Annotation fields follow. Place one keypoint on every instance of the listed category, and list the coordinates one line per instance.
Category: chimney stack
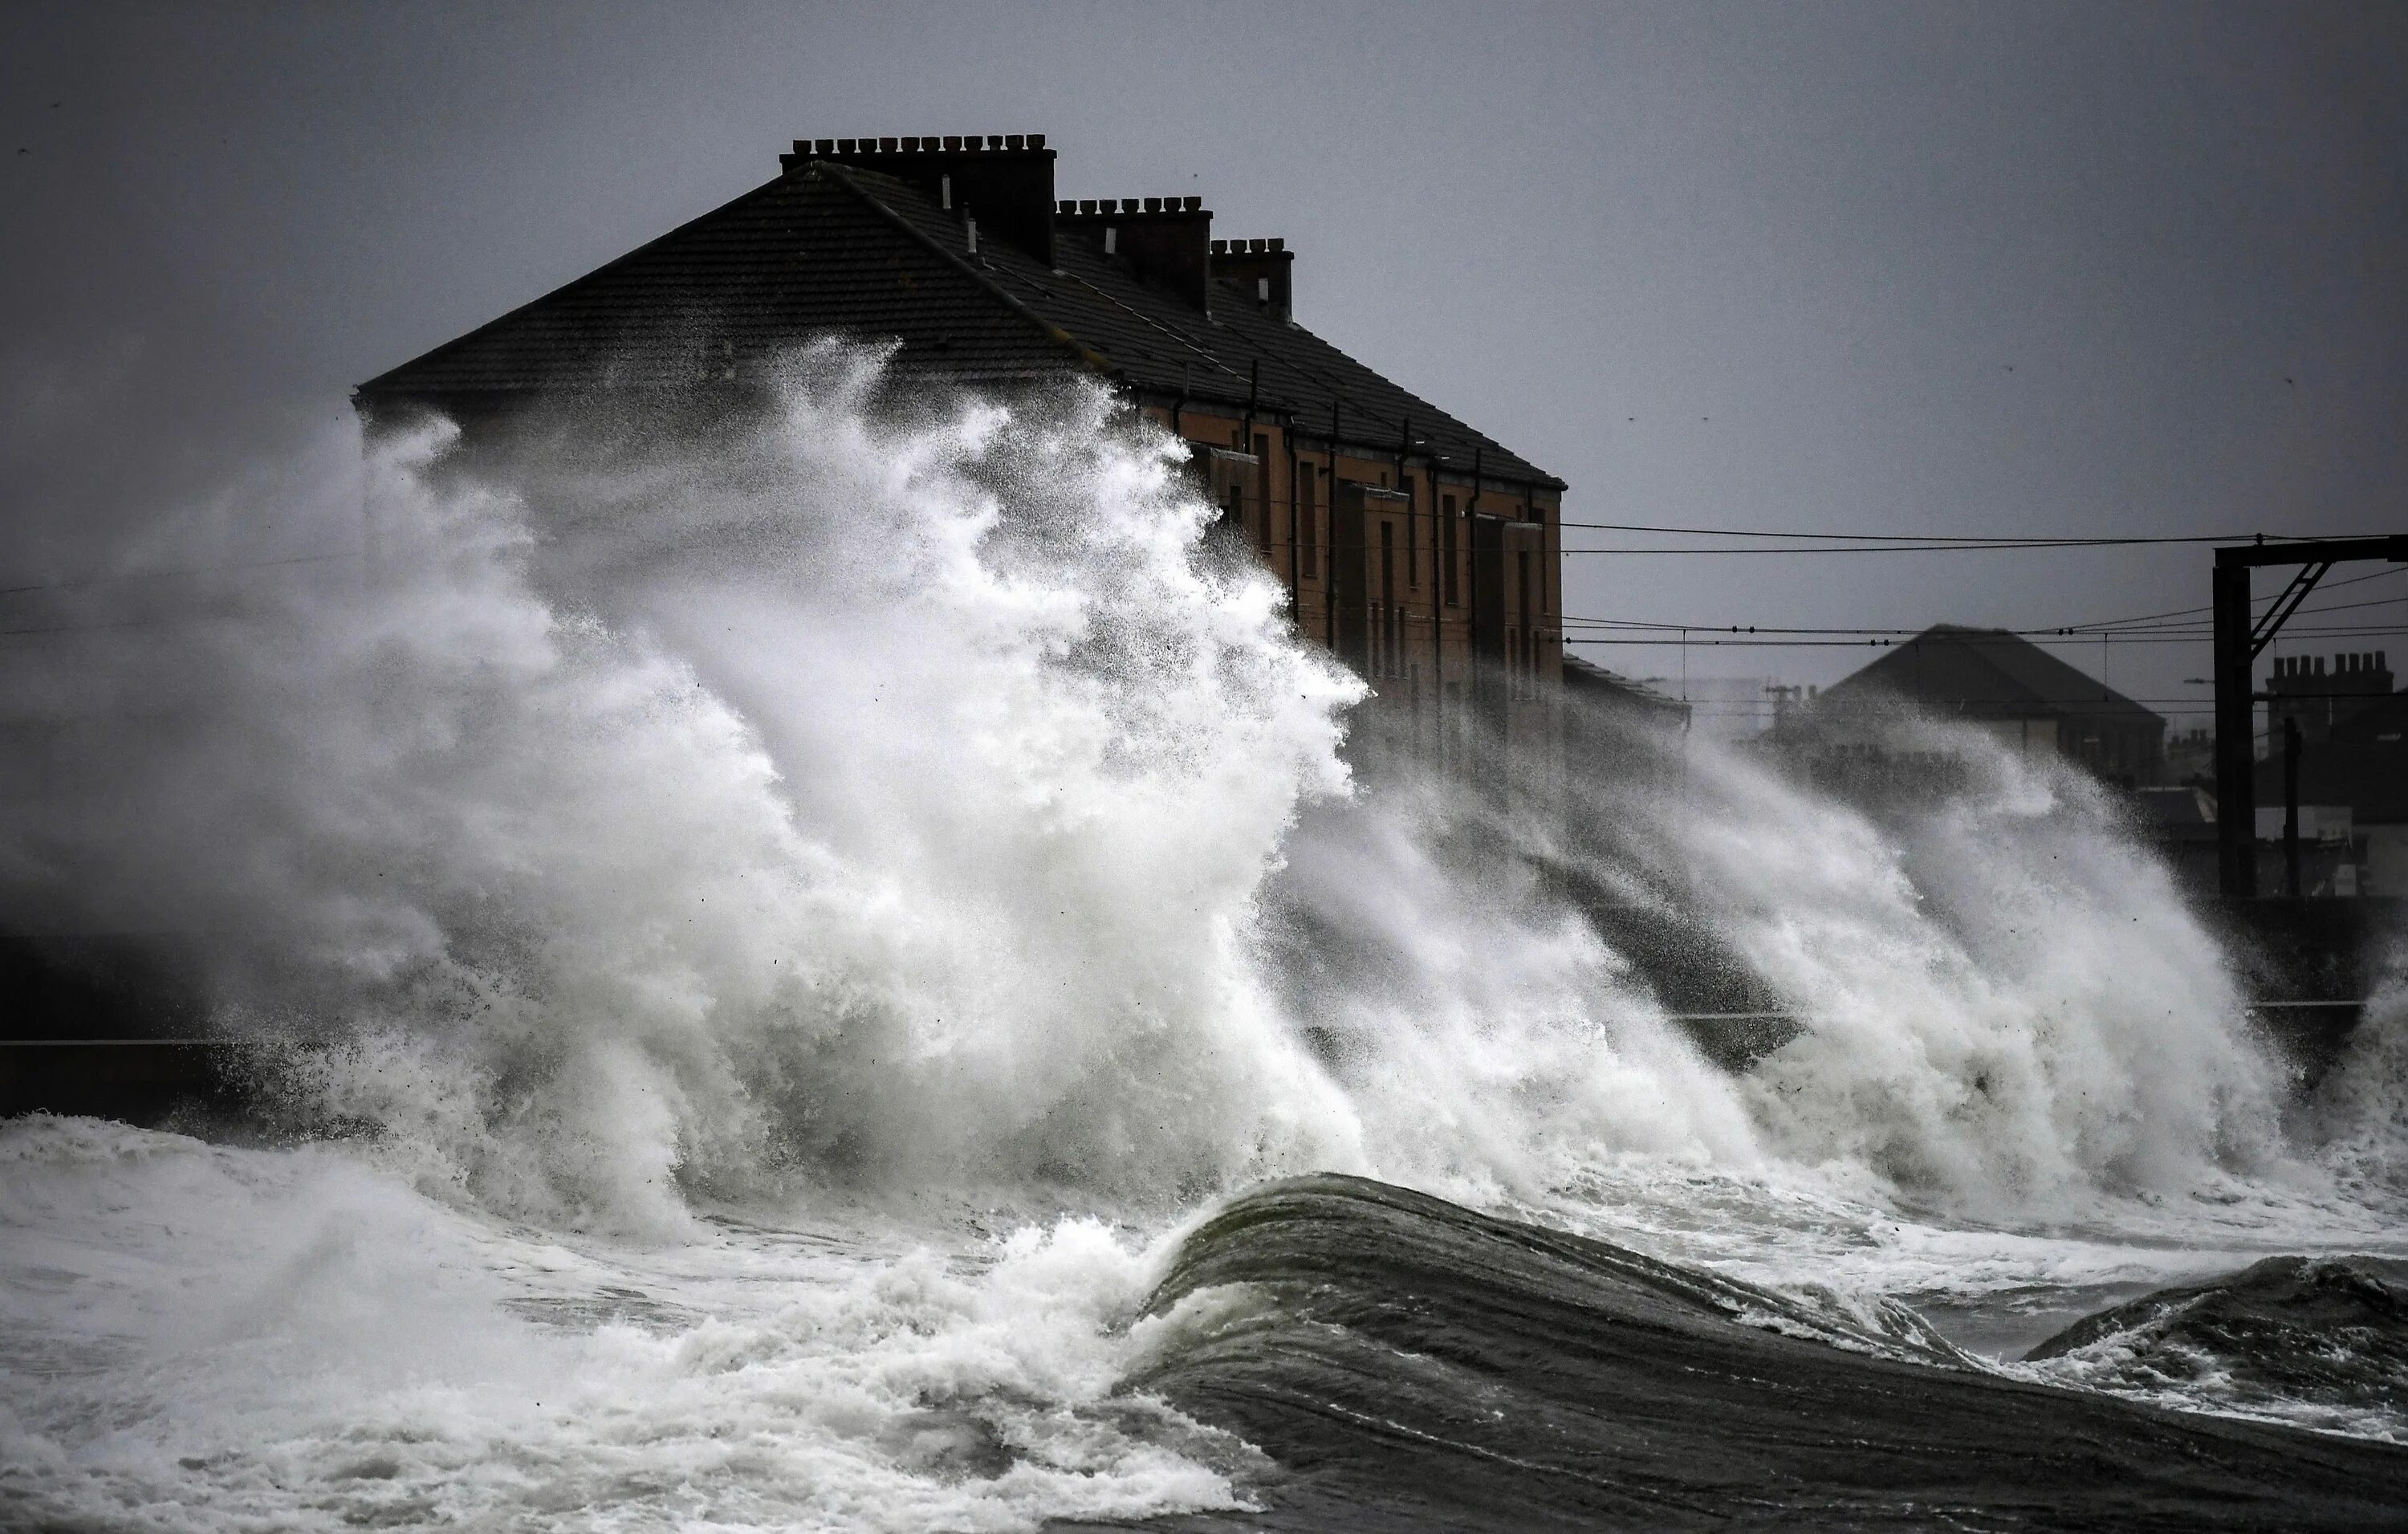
(1165, 240)
(1262, 269)
(1004, 179)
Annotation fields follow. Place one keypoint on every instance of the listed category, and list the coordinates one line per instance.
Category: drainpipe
(1246, 431)
(1471, 567)
(1295, 527)
(1438, 620)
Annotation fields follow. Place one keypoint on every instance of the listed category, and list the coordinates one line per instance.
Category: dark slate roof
(1982, 673)
(804, 255)
(2177, 811)
(830, 249)
(1581, 676)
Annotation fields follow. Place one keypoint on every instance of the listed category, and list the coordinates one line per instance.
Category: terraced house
(1425, 553)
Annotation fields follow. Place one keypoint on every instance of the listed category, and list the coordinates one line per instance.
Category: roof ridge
(845, 178)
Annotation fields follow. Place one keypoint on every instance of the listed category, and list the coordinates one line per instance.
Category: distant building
(1425, 553)
(2001, 683)
(2301, 691)
(2190, 758)
(2353, 784)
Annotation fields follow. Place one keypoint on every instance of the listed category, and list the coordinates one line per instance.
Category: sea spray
(678, 883)
(907, 791)
(2007, 1004)
(207, 1338)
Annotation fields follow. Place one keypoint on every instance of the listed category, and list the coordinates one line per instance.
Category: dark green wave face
(1411, 1365)
(2319, 1339)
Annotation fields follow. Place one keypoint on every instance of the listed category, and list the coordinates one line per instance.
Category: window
(1446, 560)
(1388, 652)
(1307, 522)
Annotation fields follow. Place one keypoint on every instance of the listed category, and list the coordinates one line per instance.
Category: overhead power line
(1980, 541)
(1926, 547)
(2266, 601)
(1742, 639)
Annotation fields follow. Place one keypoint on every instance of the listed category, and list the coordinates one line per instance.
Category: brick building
(1426, 554)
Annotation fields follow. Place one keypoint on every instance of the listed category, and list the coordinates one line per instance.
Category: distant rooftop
(1982, 673)
(1581, 676)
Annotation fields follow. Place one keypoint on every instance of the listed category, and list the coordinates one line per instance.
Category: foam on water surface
(751, 957)
(269, 1336)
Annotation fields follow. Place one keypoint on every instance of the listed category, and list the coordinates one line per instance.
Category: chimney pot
(1065, 205)
(1015, 141)
(888, 145)
(954, 141)
(1279, 244)
(910, 145)
(824, 145)
(1175, 254)
(1194, 205)
(1037, 141)
(844, 146)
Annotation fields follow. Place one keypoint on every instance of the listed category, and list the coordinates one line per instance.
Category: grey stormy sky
(2016, 267)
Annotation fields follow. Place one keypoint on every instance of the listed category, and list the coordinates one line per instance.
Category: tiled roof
(1581, 675)
(1984, 673)
(803, 255)
(829, 248)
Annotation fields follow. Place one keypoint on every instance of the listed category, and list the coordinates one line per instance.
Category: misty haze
(1023, 768)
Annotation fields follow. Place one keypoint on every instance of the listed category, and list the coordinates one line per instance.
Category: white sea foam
(882, 815)
(261, 1339)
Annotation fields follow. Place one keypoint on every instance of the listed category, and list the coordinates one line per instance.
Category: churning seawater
(754, 960)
